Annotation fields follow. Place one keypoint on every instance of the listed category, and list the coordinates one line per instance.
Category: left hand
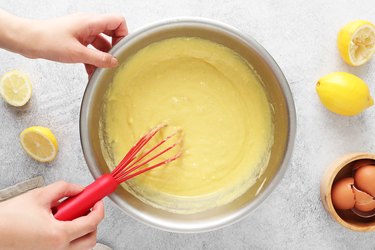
(65, 39)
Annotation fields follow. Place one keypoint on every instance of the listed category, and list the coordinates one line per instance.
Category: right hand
(27, 221)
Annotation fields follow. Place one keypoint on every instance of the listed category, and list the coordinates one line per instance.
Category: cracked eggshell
(342, 194)
(363, 201)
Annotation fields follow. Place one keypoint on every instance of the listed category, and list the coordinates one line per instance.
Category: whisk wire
(130, 170)
(125, 169)
(151, 167)
(131, 155)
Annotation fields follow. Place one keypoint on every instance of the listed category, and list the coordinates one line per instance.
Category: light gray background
(300, 35)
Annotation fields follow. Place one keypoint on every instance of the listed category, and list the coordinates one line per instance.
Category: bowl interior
(279, 96)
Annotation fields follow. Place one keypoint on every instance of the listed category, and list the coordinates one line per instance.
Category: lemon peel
(344, 93)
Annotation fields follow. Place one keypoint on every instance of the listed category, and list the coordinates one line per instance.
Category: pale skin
(26, 221)
(64, 39)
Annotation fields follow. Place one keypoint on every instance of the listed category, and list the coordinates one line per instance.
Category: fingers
(85, 242)
(90, 70)
(96, 57)
(111, 25)
(54, 192)
(85, 224)
(101, 44)
(120, 32)
(90, 33)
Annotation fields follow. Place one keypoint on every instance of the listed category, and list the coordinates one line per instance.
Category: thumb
(54, 192)
(97, 58)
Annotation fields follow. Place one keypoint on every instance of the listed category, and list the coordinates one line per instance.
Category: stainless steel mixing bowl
(274, 83)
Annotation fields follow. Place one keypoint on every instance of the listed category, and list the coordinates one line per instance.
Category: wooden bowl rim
(326, 187)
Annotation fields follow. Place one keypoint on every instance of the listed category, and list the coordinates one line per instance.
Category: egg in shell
(356, 192)
(364, 179)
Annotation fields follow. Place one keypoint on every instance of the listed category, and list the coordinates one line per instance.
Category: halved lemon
(40, 143)
(15, 88)
(356, 42)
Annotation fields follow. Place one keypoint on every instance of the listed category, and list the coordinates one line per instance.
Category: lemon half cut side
(15, 88)
(356, 42)
(40, 143)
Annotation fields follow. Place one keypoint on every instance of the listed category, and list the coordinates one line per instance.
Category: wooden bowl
(341, 168)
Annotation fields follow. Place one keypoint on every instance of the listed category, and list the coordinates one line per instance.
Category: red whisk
(81, 203)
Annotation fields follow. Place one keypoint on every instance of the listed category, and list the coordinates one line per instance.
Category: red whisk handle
(81, 203)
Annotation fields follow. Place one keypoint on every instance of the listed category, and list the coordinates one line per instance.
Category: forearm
(15, 33)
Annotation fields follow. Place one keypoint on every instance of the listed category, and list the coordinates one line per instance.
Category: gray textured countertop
(300, 35)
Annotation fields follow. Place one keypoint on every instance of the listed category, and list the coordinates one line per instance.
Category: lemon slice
(356, 42)
(15, 88)
(344, 93)
(39, 143)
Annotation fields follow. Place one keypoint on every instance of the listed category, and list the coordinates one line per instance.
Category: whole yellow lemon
(344, 93)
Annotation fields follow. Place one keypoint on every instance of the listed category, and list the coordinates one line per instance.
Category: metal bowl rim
(258, 200)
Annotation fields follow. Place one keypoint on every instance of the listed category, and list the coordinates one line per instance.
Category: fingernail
(114, 62)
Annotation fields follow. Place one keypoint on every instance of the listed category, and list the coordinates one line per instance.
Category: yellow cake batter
(218, 101)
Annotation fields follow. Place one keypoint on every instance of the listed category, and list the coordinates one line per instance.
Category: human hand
(27, 221)
(65, 39)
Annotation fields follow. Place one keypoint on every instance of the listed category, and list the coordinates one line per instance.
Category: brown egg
(342, 194)
(364, 179)
(362, 163)
(363, 201)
